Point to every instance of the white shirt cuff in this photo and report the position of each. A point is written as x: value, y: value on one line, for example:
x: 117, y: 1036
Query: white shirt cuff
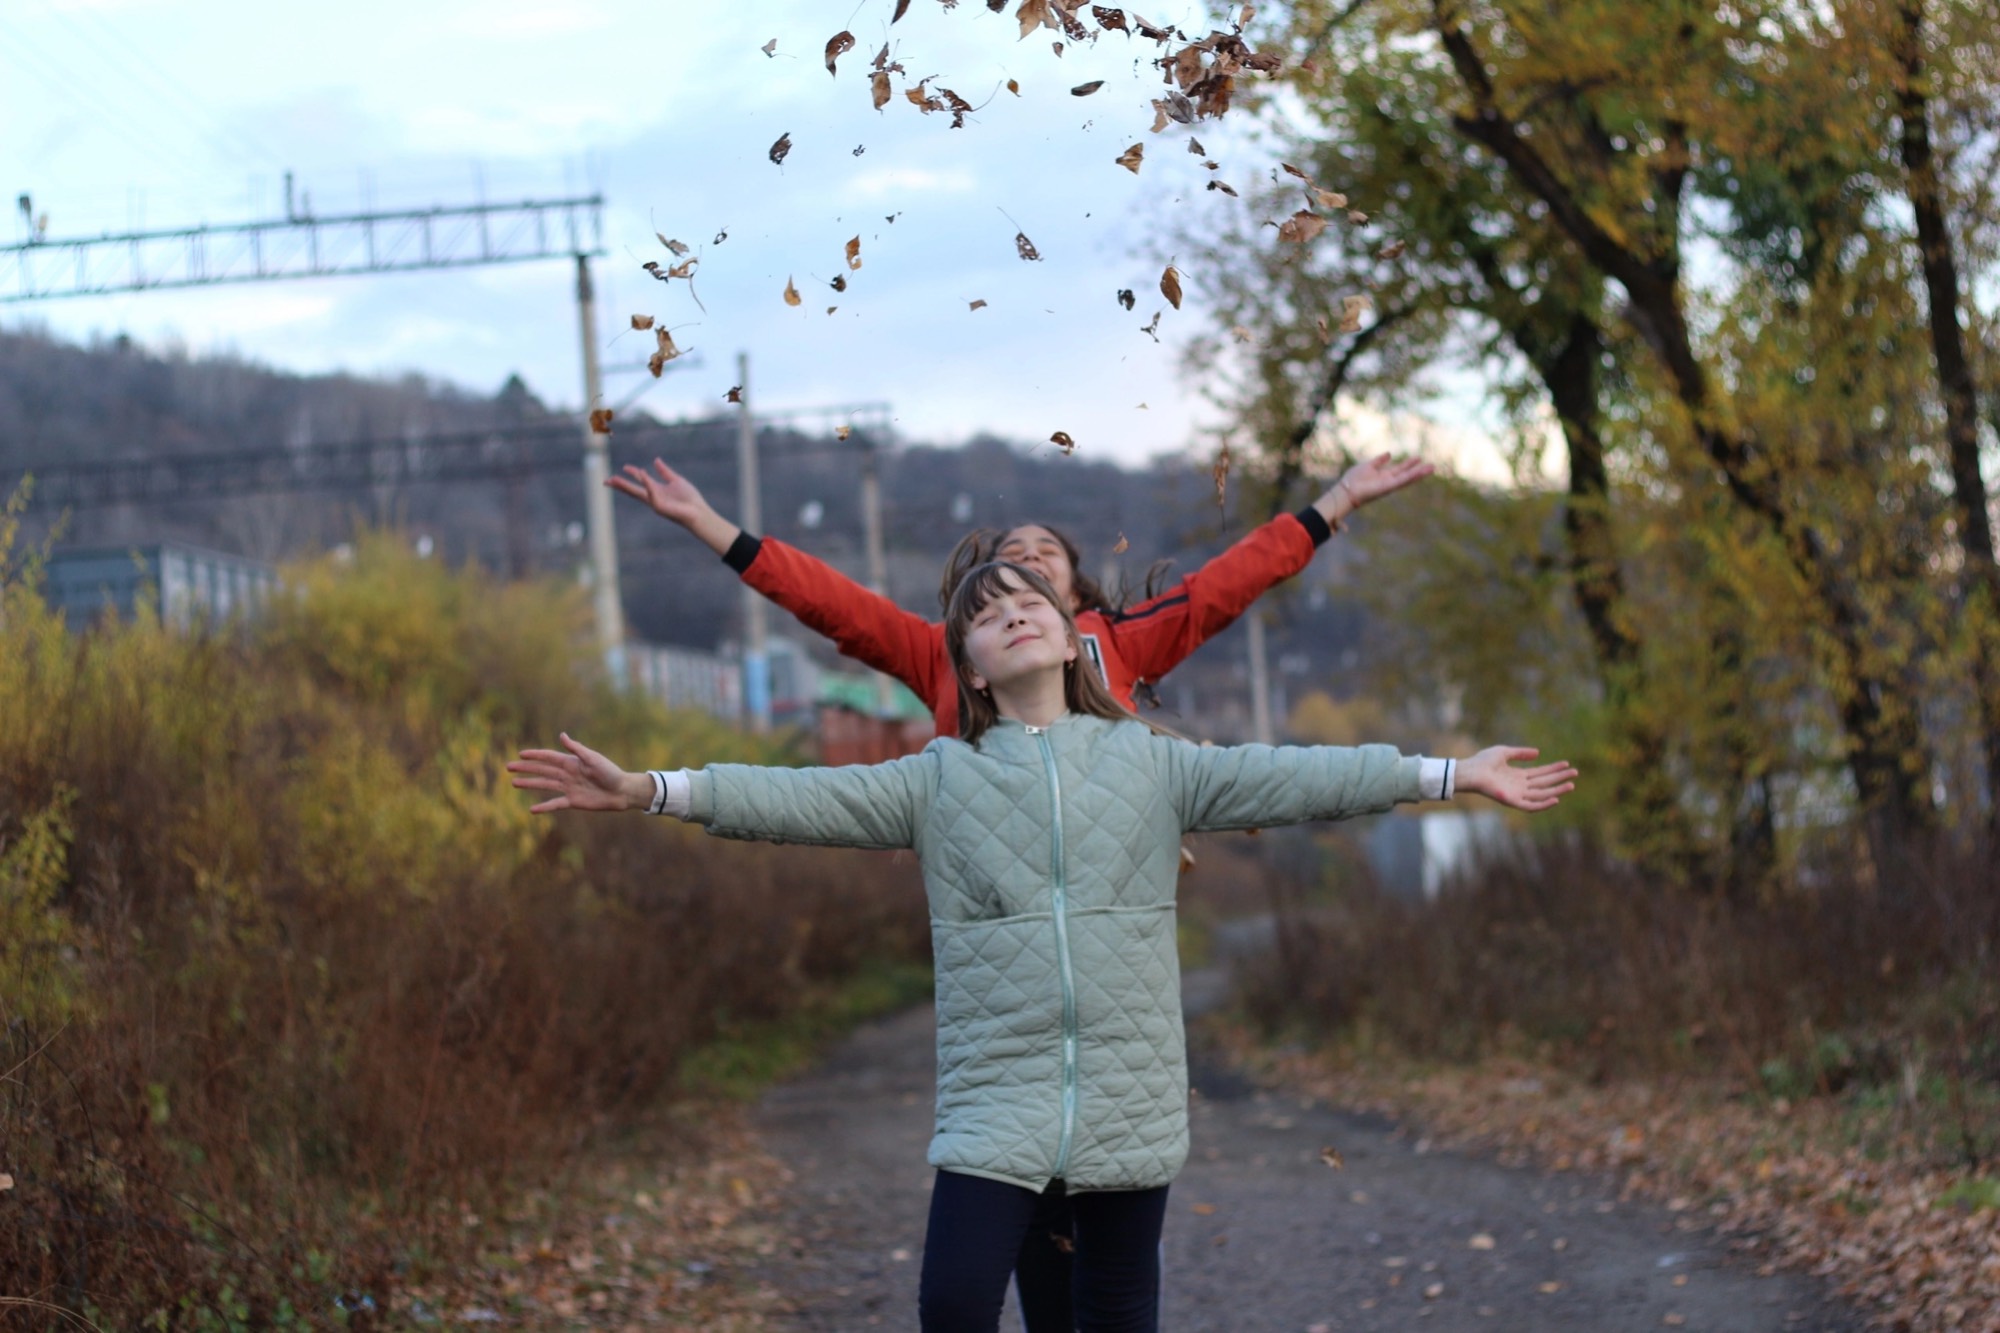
x: 1437, y: 779
x: 673, y: 793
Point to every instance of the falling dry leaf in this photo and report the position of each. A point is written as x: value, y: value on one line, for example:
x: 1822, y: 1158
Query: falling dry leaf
x: 1033, y: 14
x: 1292, y: 170
x: 1086, y: 89
x: 1351, y: 310
x: 791, y: 293
x: 842, y: 432
x: 1126, y: 298
x: 675, y: 246
x: 1170, y: 286
x: 721, y: 236
x: 770, y: 48
x: 837, y: 46
x: 839, y: 282
x: 1330, y: 1155
x: 735, y: 395
x: 902, y: 8
x: 1301, y: 227
x: 879, y: 89
x: 1330, y: 199
x: 1220, y: 472
x: 1358, y: 218
x: 1062, y: 441
x: 1194, y: 146
x: 780, y: 148
x: 1393, y: 250
x: 854, y: 253
x: 1025, y: 247
x: 1109, y: 19
x: 1014, y: 87
x: 1222, y: 186
x: 600, y: 421
x: 1131, y: 157
x: 979, y: 305
x: 642, y: 322
x: 1243, y: 335
x: 1152, y: 330
x: 1122, y: 547
x: 1325, y: 330
x: 830, y: 309
x: 860, y: 148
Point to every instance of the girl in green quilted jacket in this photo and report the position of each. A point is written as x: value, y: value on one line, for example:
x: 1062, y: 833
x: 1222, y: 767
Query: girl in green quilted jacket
x: 1049, y: 834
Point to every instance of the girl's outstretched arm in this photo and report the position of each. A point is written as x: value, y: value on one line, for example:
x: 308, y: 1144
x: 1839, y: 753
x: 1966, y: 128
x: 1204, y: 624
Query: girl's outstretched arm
x: 580, y: 778
x: 672, y: 496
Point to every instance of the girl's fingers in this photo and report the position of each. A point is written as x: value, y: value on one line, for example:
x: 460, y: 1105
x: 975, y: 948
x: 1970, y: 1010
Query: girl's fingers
x: 550, y: 807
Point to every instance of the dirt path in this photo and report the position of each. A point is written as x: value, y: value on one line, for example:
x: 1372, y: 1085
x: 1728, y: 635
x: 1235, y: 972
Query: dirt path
x: 1261, y: 1235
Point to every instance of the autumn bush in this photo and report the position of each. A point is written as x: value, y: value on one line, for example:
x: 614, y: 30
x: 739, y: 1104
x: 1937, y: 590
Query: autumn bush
x: 1560, y: 951
x: 289, y: 979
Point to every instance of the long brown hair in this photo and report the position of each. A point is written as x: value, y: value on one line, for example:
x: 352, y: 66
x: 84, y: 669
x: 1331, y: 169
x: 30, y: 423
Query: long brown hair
x: 981, y: 546
x: 1084, y: 690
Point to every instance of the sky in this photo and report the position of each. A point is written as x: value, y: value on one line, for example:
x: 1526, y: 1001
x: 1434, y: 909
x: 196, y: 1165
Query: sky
x: 122, y: 114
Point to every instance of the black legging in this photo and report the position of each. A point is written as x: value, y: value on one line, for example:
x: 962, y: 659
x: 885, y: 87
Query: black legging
x: 1042, y: 1272
x: 974, y: 1239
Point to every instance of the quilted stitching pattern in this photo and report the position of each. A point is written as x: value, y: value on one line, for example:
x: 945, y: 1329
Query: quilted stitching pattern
x: 982, y: 822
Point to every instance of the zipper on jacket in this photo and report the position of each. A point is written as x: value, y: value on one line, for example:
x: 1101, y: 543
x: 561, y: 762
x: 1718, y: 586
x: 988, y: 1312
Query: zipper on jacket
x: 1060, y: 909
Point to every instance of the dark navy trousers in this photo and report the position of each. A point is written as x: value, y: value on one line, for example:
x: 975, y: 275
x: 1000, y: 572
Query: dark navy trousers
x: 975, y: 1237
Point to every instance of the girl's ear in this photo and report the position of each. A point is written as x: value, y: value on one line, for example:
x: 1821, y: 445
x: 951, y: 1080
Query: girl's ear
x: 976, y: 681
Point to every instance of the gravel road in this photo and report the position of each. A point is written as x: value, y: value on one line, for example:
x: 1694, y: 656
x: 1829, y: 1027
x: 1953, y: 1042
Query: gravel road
x: 1261, y: 1234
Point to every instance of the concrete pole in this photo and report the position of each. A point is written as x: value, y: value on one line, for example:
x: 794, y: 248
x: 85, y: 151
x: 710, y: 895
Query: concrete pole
x: 596, y: 496
x: 750, y: 513
x: 878, y: 563
x: 1261, y: 729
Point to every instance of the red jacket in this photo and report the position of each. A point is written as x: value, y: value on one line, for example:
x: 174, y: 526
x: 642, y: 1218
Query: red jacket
x: 1142, y: 642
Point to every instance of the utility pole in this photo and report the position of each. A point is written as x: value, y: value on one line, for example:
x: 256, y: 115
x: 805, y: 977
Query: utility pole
x: 878, y: 564
x: 1261, y: 729
x: 596, y: 496
x: 750, y: 505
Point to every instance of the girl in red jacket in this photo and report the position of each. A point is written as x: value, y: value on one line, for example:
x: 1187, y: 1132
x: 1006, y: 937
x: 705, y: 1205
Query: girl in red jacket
x: 1128, y: 645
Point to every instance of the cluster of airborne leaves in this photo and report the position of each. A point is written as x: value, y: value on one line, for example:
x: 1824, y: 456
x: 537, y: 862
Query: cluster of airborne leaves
x: 1200, y: 79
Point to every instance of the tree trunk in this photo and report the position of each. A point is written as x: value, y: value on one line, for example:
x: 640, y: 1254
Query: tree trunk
x: 1955, y: 382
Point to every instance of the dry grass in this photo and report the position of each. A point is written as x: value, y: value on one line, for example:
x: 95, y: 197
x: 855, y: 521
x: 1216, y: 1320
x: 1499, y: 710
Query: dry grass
x: 290, y: 979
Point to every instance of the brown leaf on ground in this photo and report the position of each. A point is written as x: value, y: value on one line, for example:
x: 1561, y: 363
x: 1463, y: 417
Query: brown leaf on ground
x: 600, y: 421
x: 1301, y: 227
x: 642, y: 322
x: 780, y: 148
x: 1025, y: 247
x: 854, y: 253
x: 792, y: 296
x: 1062, y: 441
x: 1132, y: 157
x: 1170, y: 286
x: 837, y: 46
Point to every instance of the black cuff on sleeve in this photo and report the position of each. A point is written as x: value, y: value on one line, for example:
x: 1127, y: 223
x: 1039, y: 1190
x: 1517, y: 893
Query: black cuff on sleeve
x: 1316, y: 525
x: 743, y: 550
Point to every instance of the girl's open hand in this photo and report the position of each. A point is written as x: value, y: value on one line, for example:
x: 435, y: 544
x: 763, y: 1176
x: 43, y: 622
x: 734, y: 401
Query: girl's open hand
x: 1374, y: 478
x: 665, y: 491
x: 1491, y: 772
x: 582, y: 779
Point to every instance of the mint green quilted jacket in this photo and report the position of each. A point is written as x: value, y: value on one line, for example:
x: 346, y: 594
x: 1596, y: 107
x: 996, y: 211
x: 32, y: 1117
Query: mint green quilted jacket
x: 1050, y: 858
